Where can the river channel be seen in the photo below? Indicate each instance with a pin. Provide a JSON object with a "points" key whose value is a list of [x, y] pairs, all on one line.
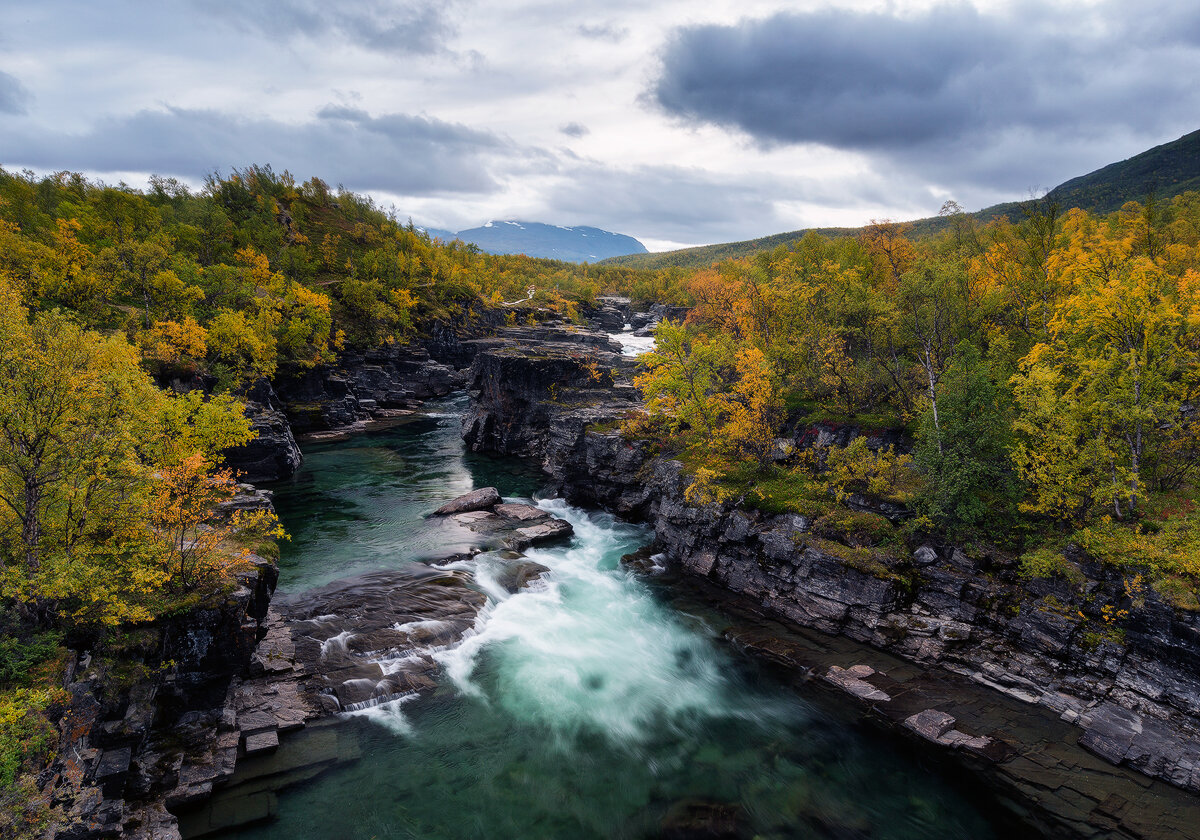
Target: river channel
{"points": [[581, 707]]}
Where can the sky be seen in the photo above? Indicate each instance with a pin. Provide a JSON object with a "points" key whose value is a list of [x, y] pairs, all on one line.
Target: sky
{"points": [[680, 123]]}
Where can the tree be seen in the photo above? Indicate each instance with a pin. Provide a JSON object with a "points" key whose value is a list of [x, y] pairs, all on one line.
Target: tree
{"points": [[753, 409], [73, 411], [964, 457], [683, 375], [87, 446]]}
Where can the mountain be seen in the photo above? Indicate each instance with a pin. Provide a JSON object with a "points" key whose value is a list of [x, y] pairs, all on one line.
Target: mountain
{"points": [[534, 239], [1163, 171]]}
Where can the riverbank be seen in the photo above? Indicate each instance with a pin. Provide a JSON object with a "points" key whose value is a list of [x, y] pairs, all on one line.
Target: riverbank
{"points": [[964, 613]]}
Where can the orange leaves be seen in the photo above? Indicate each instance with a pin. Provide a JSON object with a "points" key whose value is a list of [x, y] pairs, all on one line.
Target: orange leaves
{"points": [[197, 549], [175, 342], [257, 265]]}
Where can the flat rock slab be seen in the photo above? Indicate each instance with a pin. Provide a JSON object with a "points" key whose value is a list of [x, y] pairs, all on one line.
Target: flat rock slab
{"points": [[262, 742], [938, 727], [370, 639], [851, 680], [520, 512], [543, 532], [481, 499], [514, 526]]}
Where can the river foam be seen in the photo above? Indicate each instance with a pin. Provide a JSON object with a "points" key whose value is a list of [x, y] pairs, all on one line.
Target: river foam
{"points": [[590, 649]]}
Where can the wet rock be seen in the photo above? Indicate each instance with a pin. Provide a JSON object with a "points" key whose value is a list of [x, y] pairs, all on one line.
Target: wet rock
{"points": [[550, 531], [514, 526], [930, 724], [520, 512], [853, 681], [481, 499], [344, 633], [518, 574]]}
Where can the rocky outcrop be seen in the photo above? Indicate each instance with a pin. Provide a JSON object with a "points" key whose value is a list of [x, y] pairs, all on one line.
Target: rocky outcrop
{"points": [[128, 754], [511, 525], [364, 385], [611, 313], [526, 379], [1137, 696], [273, 454]]}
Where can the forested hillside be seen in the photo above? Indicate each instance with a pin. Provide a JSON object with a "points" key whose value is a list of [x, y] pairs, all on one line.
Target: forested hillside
{"points": [[1046, 370], [1157, 174]]}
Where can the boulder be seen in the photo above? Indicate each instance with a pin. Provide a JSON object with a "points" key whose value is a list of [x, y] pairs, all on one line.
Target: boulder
{"points": [[482, 499]]}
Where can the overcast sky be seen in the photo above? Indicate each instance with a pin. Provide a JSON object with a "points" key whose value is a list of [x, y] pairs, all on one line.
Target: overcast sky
{"points": [[679, 123]]}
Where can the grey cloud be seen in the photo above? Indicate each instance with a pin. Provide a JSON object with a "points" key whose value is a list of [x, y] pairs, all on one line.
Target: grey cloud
{"points": [[604, 32], [13, 96], [386, 26], [943, 88], [574, 129], [393, 152], [675, 203]]}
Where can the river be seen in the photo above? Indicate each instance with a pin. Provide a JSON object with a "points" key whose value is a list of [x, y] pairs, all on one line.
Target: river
{"points": [[581, 707]]}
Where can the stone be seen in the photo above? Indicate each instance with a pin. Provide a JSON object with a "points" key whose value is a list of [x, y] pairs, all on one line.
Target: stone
{"points": [[540, 534], [481, 499], [855, 685], [520, 512], [930, 724], [262, 742], [925, 555]]}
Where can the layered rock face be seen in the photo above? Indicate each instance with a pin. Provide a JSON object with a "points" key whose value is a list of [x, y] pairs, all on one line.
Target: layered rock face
{"points": [[526, 380], [362, 386], [1041, 642], [273, 454]]}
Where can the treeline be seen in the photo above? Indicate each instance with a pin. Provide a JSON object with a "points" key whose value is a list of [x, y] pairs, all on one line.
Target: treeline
{"points": [[1047, 369], [255, 272]]}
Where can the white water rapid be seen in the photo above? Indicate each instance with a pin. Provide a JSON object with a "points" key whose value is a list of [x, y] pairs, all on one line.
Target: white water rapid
{"points": [[587, 648]]}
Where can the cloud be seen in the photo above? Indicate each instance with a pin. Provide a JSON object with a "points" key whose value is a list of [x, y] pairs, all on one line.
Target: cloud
{"points": [[574, 129], [604, 32], [13, 96], [393, 152], [943, 89], [385, 26], [676, 203]]}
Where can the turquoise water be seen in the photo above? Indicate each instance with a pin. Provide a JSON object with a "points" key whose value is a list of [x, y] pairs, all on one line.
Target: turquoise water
{"points": [[581, 707], [360, 504]]}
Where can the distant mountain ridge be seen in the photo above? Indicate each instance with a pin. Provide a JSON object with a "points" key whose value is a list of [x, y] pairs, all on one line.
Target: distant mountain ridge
{"points": [[1163, 171], [535, 239]]}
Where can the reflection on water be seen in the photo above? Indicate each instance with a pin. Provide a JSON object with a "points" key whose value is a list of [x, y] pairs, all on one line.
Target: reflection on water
{"points": [[580, 707]]}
